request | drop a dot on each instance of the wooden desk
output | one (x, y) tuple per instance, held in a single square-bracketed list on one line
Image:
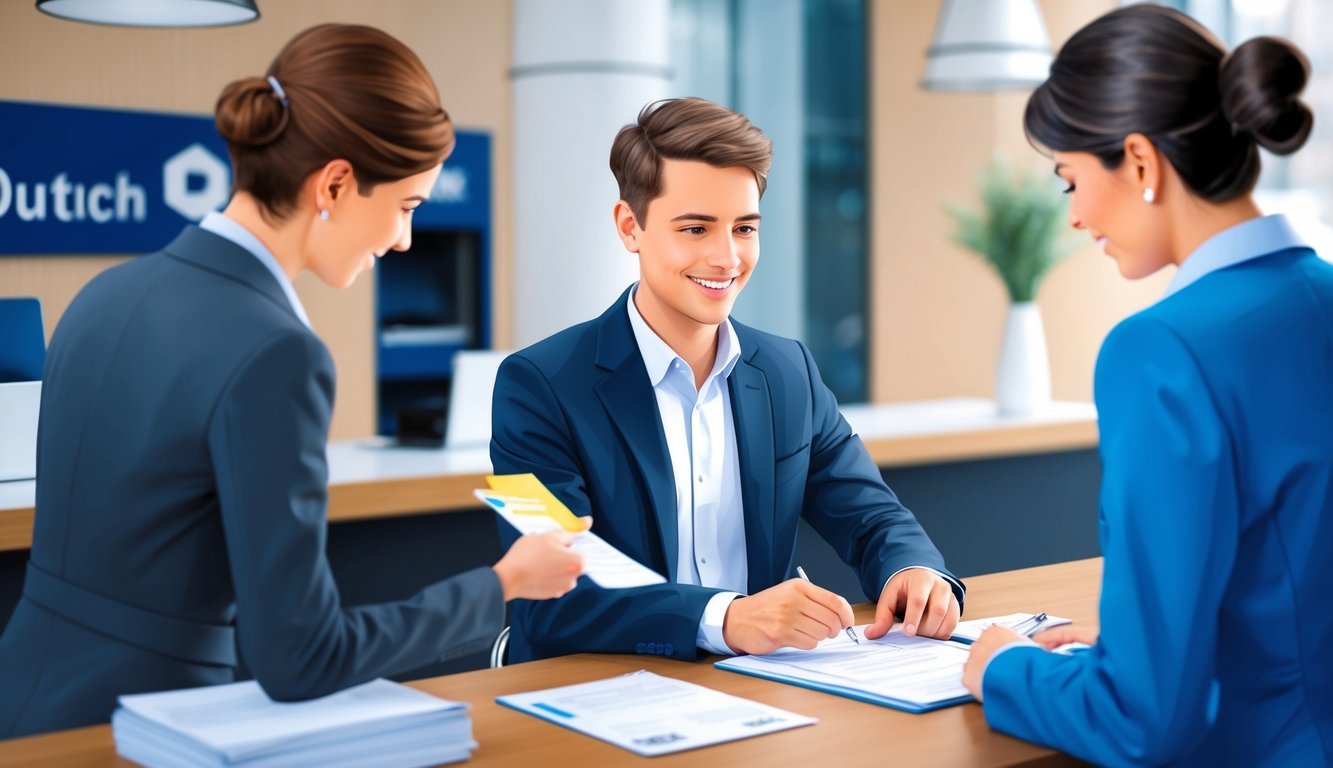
[(849, 733), (370, 478)]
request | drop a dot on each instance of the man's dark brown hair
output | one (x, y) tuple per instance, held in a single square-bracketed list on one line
[(684, 129)]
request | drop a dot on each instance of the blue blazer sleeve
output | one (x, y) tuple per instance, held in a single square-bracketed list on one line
[(849, 504), (267, 442), (529, 435), (1169, 525)]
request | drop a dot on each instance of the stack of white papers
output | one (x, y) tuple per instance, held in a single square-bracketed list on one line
[(653, 715), (376, 724)]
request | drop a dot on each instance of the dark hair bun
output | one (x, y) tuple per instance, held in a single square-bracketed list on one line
[(1261, 82), (250, 114)]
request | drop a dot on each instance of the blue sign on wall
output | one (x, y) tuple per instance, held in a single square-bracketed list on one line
[(76, 180), (461, 198)]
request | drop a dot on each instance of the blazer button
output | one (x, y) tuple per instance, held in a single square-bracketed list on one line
[(639, 648)]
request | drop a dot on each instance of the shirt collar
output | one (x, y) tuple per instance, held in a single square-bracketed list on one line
[(230, 229), (1231, 246), (658, 357)]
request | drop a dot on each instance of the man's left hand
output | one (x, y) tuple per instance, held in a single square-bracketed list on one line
[(926, 601)]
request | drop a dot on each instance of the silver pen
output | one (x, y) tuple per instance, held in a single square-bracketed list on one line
[(1036, 620), (801, 572)]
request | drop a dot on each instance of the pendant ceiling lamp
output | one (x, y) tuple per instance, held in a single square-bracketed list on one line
[(153, 13), (988, 45)]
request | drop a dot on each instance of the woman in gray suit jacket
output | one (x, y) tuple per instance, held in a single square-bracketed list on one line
[(181, 491)]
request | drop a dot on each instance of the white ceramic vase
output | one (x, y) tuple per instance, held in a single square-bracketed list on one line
[(1023, 377)]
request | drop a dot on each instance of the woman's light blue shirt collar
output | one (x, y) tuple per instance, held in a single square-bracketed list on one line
[(1231, 246), (222, 226)]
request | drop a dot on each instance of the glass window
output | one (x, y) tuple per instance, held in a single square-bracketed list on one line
[(798, 69), (1300, 185)]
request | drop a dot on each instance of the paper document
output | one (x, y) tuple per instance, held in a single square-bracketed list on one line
[(607, 566), (915, 674), (531, 497), (653, 715)]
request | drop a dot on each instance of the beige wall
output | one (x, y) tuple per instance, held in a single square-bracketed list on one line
[(937, 310), (464, 43)]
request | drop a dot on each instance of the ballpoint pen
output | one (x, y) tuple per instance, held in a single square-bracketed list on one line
[(1036, 620), (801, 572)]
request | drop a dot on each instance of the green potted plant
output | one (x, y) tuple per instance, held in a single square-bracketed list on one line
[(1018, 230)]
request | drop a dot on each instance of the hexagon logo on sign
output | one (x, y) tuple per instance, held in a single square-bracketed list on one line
[(195, 182)]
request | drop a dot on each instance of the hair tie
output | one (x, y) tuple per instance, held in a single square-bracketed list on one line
[(277, 90)]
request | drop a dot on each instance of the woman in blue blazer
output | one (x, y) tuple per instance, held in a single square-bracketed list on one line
[(1216, 416), (181, 485)]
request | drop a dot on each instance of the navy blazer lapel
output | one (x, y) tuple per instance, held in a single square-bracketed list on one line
[(221, 256), (752, 411), (632, 406)]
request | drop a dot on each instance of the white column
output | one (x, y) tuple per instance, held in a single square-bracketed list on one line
[(582, 70)]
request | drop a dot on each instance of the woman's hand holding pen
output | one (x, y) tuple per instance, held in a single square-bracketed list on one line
[(996, 637), (542, 566), (979, 655)]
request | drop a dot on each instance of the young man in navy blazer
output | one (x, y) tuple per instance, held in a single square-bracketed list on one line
[(697, 443)]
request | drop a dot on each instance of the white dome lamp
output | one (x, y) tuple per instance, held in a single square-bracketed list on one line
[(153, 13), (988, 45)]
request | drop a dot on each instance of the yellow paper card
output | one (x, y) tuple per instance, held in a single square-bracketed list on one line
[(527, 486)]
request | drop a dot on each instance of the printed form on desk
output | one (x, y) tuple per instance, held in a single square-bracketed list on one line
[(651, 715)]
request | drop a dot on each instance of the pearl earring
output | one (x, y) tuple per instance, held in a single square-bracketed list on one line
[(323, 215), (1149, 195)]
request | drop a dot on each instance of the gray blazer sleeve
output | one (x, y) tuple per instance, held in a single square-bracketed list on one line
[(267, 439)]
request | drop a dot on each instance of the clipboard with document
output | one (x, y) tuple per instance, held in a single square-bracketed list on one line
[(912, 674)]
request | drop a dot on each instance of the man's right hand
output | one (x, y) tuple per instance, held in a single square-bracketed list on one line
[(794, 614), (538, 567)]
